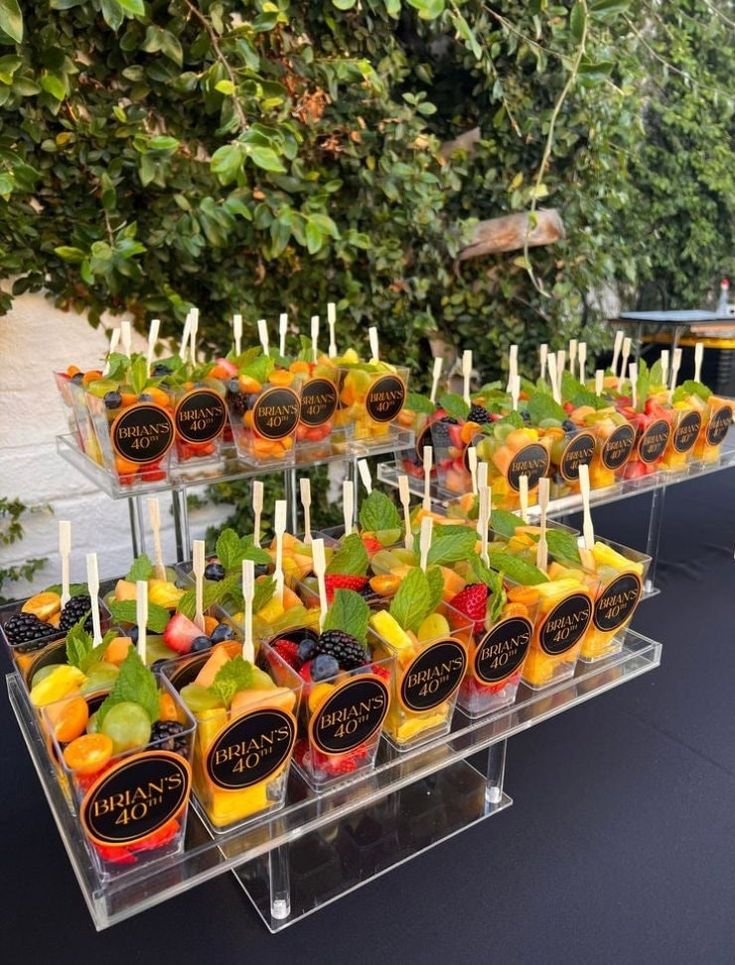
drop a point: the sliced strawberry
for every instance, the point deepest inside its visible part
(157, 840)
(115, 855)
(180, 633)
(289, 651)
(305, 672)
(336, 581)
(372, 545)
(471, 601)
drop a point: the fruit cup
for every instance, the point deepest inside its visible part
(716, 422)
(615, 441)
(411, 461)
(497, 653)
(127, 779)
(653, 431)
(622, 573)
(686, 426)
(200, 416)
(265, 418)
(319, 400)
(427, 669)
(39, 624)
(570, 447)
(242, 751)
(71, 385)
(371, 400)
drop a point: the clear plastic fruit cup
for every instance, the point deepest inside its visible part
(411, 461)
(425, 678)
(568, 450)
(340, 723)
(621, 571)
(615, 442)
(132, 805)
(71, 390)
(450, 441)
(242, 756)
(497, 655)
(265, 420)
(200, 416)
(135, 433)
(317, 433)
(30, 655)
(715, 425)
(653, 432)
(371, 399)
(563, 619)
(686, 425)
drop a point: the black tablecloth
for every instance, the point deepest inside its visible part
(620, 846)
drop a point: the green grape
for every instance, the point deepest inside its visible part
(261, 680)
(128, 726)
(199, 698)
(44, 672)
(93, 724)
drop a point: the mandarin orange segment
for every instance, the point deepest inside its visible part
(68, 719)
(88, 753)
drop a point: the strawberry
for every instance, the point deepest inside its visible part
(382, 672)
(180, 633)
(336, 581)
(115, 855)
(471, 601)
(371, 544)
(305, 672)
(289, 651)
(158, 838)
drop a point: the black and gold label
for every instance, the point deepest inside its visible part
(251, 748)
(350, 715)
(276, 413)
(502, 651)
(142, 433)
(136, 798)
(578, 453)
(653, 441)
(200, 416)
(532, 461)
(433, 676)
(423, 438)
(719, 424)
(687, 431)
(385, 398)
(318, 401)
(566, 624)
(618, 600)
(618, 447)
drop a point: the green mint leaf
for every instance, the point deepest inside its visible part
(454, 405)
(563, 547)
(306, 350)
(138, 374)
(98, 653)
(642, 385)
(452, 544)
(351, 558)
(505, 523)
(378, 512)
(234, 676)
(213, 592)
(264, 591)
(542, 406)
(117, 366)
(142, 569)
(75, 589)
(514, 419)
(493, 581)
(348, 612)
(135, 683)
(254, 553)
(228, 549)
(516, 568)
(258, 368)
(124, 611)
(690, 387)
(569, 386)
(412, 601)
(436, 587)
(656, 374)
(416, 402)
(78, 644)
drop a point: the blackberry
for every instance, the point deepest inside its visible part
(347, 651)
(440, 431)
(170, 733)
(238, 402)
(26, 632)
(479, 414)
(73, 612)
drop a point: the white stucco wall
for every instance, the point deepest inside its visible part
(37, 339)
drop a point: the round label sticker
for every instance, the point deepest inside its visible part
(142, 433)
(617, 602)
(718, 425)
(276, 413)
(578, 453)
(251, 748)
(433, 676)
(654, 441)
(200, 416)
(350, 715)
(618, 447)
(566, 624)
(532, 461)
(136, 798)
(687, 431)
(385, 398)
(423, 439)
(318, 402)
(502, 651)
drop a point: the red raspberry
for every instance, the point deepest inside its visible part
(289, 651)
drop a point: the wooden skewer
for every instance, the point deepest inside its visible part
(542, 550)
(248, 593)
(93, 588)
(588, 530)
(523, 496)
(698, 357)
(582, 361)
(624, 363)
(315, 337)
(405, 496)
(154, 515)
(152, 339)
(543, 352)
(675, 366)
(428, 463)
(263, 335)
(141, 618)
(374, 344)
(126, 337)
(599, 381)
(257, 510)
(427, 526)
(198, 565)
(282, 330)
(237, 333)
(472, 463)
(318, 560)
(348, 505)
(364, 470)
(467, 375)
(633, 376)
(305, 490)
(665, 366)
(279, 525)
(331, 322)
(436, 375)
(616, 351)
(193, 332)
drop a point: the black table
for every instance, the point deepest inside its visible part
(678, 319)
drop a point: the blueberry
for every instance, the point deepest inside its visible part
(145, 397)
(307, 649)
(132, 633)
(222, 631)
(214, 571)
(200, 643)
(234, 386)
(324, 666)
(78, 378)
(568, 425)
(112, 400)
(526, 416)
(160, 368)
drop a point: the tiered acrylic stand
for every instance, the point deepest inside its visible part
(324, 845)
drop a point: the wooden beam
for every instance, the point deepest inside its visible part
(509, 233)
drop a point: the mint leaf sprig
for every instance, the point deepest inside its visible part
(351, 559)
(80, 649)
(231, 678)
(135, 683)
(417, 596)
(350, 613)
